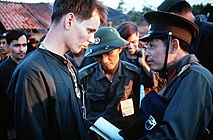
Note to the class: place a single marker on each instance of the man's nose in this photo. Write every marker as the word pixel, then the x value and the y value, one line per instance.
pixel 91 39
pixel 104 58
pixel 146 53
pixel 22 48
pixel 131 45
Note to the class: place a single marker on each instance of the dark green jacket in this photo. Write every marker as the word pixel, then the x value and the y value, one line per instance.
pixel 103 96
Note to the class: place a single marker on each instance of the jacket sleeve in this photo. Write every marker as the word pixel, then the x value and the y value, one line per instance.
pixel 29 98
pixel 189 111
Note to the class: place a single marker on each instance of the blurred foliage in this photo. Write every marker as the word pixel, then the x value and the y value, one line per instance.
pixel 137 16
pixel 199 8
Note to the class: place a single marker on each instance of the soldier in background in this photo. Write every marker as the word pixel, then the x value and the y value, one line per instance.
pixel 4 50
pixel 133 52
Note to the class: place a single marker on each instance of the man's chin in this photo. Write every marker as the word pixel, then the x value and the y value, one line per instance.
pixel 131 52
pixel 21 57
pixel 84 47
pixel 155 68
pixel 76 51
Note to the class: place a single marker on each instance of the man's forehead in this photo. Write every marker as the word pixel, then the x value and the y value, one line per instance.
pixel 21 38
pixel 153 40
pixel 94 22
pixel 2 38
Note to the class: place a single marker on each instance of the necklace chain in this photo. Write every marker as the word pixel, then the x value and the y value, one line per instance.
pixel 42 46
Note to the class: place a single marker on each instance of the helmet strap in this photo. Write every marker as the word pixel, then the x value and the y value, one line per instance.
pixel 169 42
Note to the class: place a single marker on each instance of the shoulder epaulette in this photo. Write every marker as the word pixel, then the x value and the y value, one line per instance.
pixel 184 68
pixel 86 70
pixel 131 67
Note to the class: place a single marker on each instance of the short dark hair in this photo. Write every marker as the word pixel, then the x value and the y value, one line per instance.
pixel 183 44
pixel 181 7
pixel 126 29
pixel 82 9
pixel 3 36
pixel 14 35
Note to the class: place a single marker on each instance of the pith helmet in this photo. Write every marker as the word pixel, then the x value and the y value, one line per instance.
pixel 162 23
pixel 106 39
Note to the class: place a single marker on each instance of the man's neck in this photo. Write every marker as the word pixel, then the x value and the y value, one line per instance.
pixel 189 16
pixel 53 41
pixel 110 73
pixel 80 54
pixel 15 60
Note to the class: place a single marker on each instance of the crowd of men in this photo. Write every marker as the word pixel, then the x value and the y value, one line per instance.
pixel 158 86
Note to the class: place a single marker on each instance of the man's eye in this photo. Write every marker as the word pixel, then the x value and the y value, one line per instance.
pixel 91 31
pixel 109 53
pixel 24 45
pixel 16 45
pixel 133 42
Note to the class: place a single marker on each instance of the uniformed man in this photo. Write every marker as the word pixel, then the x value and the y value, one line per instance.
pixel 111 85
pixel 188 94
pixel 201 46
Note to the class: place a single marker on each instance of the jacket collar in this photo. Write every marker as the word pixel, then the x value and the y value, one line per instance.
pixel 177 67
pixel 119 73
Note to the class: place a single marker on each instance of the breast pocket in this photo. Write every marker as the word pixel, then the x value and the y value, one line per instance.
pixel 97 102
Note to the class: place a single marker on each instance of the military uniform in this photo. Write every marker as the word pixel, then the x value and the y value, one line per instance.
pixel 201 46
pixel 186 100
pixel 103 96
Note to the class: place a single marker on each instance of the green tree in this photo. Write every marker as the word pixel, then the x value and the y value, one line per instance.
pixel 120 6
pixel 133 15
pixel 199 8
pixel 137 16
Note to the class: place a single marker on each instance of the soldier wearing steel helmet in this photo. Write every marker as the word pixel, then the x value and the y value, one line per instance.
pixel 110 82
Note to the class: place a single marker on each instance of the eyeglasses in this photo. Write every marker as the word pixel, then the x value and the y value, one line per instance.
pixel 18 45
pixel 3 42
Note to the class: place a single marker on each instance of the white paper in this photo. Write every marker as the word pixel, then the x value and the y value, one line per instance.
pixel 142 94
pixel 99 132
pixel 127 107
pixel 107 128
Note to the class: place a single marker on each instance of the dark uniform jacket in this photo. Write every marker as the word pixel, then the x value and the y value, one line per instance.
pixel 6 70
pixel 103 96
pixel 202 44
pixel 189 92
pixel 145 80
pixel 44 102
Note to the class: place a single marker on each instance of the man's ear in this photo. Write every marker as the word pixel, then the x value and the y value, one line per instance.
pixel 68 20
pixel 175 45
pixel 120 49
